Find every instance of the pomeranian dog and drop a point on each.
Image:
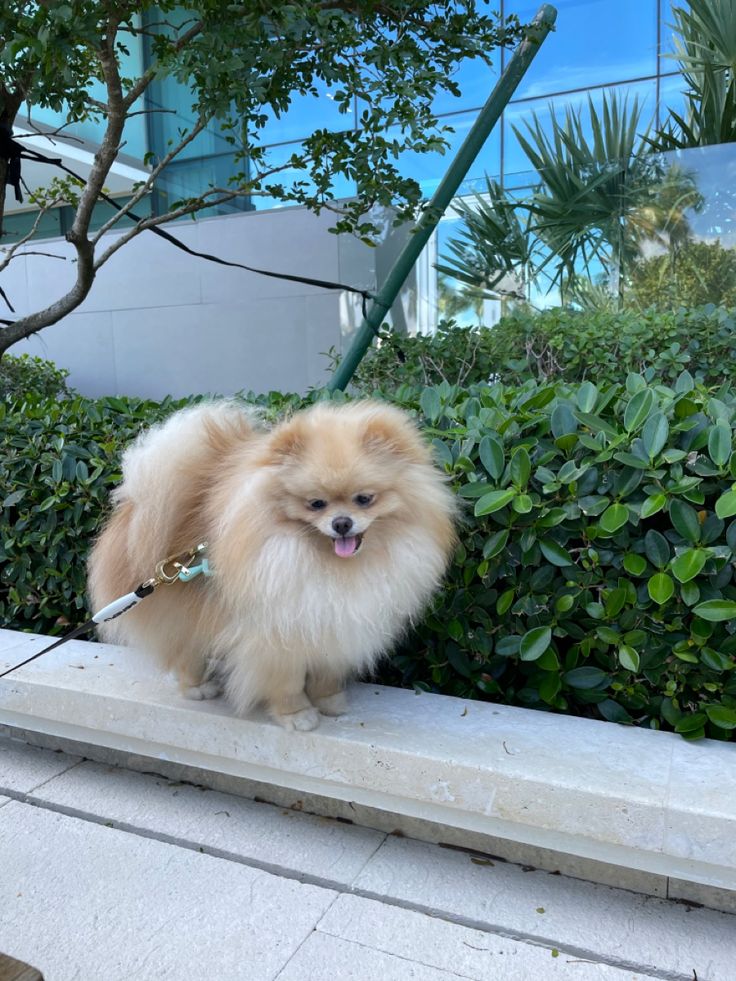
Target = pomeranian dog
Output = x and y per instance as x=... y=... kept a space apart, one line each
x=326 y=536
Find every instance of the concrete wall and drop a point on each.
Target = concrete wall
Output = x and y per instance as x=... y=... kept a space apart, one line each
x=159 y=322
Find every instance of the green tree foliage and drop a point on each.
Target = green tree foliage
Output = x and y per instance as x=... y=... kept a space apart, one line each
x=698 y=273
x=23 y=374
x=243 y=63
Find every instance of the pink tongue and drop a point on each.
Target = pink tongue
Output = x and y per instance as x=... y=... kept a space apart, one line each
x=344 y=547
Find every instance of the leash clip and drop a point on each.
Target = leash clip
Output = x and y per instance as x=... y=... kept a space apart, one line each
x=170 y=569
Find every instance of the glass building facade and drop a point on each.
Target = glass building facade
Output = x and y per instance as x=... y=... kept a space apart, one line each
x=598 y=46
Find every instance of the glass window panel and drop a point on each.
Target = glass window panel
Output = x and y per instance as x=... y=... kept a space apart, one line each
x=713 y=171
x=277 y=156
x=595 y=42
x=188 y=178
x=172 y=116
x=429 y=168
x=452 y=302
x=476 y=81
x=93 y=130
x=517 y=171
x=306 y=114
x=16 y=224
x=671 y=96
x=667 y=34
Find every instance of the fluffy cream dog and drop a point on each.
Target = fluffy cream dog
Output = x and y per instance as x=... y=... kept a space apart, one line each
x=326 y=536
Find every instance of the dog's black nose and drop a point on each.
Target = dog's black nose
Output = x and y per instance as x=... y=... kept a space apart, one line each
x=342 y=525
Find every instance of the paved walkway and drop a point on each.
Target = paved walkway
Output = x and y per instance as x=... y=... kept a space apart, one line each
x=106 y=875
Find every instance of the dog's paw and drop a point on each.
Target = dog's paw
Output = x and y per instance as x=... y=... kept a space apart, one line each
x=208 y=689
x=336 y=704
x=301 y=721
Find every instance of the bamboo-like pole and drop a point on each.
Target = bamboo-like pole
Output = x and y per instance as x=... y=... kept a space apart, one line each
x=488 y=117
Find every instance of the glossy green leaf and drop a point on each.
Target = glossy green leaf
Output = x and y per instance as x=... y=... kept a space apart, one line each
x=586 y=678
x=638 y=409
x=628 y=658
x=555 y=553
x=491 y=456
x=562 y=420
x=691 y=723
x=635 y=565
x=494 y=501
x=614 y=517
x=716 y=610
x=534 y=643
x=522 y=504
x=549 y=687
x=495 y=544
x=564 y=604
x=430 y=404
x=726 y=504
x=521 y=467
x=720 y=443
x=688 y=564
x=685 y=519
x=661 y=588
x=615 y=601
x=653 y=504
x=654 y=434
x=505 y=601
x=690 y=593
x=587 y=396
x=442 y=452
x=721 y=716
x=657 y=548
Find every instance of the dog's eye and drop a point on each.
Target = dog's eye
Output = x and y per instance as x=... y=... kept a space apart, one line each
x=363 y=499
x=318 y=505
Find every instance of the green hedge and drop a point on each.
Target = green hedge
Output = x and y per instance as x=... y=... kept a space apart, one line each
x=595 y=575
x=24 y=375
x=563 y=345
x=59 y=460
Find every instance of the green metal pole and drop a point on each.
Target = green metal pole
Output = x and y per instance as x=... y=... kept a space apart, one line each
x=489 y=115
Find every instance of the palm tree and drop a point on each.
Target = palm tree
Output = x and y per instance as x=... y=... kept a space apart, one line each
x=601 y=196
x=496 y=256
x=593 y=182
x=706 y=53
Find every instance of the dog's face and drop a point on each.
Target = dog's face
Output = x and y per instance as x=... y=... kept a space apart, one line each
x=338 y=473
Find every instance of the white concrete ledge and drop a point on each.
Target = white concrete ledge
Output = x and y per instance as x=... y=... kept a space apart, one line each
x=632 y=806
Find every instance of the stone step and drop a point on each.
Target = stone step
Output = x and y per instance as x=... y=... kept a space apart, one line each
x=629 y=807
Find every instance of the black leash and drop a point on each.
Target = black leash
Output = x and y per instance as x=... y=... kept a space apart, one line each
x=77 y=632
x=176 y=567
x=14 y=152
x=145 y=589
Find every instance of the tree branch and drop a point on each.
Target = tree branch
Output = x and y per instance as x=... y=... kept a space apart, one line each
x=12 y=249
x=147 y=186
x=137 y=90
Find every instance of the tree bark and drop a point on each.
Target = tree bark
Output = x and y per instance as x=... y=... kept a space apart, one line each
x=78 y=234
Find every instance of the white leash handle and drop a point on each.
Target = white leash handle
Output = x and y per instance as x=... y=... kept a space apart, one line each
x=124 y=603
x=117 y=607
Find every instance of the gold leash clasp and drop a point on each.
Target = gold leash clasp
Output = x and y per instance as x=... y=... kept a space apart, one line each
x=168 y=570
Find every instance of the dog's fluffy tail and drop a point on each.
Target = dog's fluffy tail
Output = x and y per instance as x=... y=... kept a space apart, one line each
x=166 y=472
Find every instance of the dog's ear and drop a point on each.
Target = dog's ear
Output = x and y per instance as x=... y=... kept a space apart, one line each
x=389 y=430
x=287 y=440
